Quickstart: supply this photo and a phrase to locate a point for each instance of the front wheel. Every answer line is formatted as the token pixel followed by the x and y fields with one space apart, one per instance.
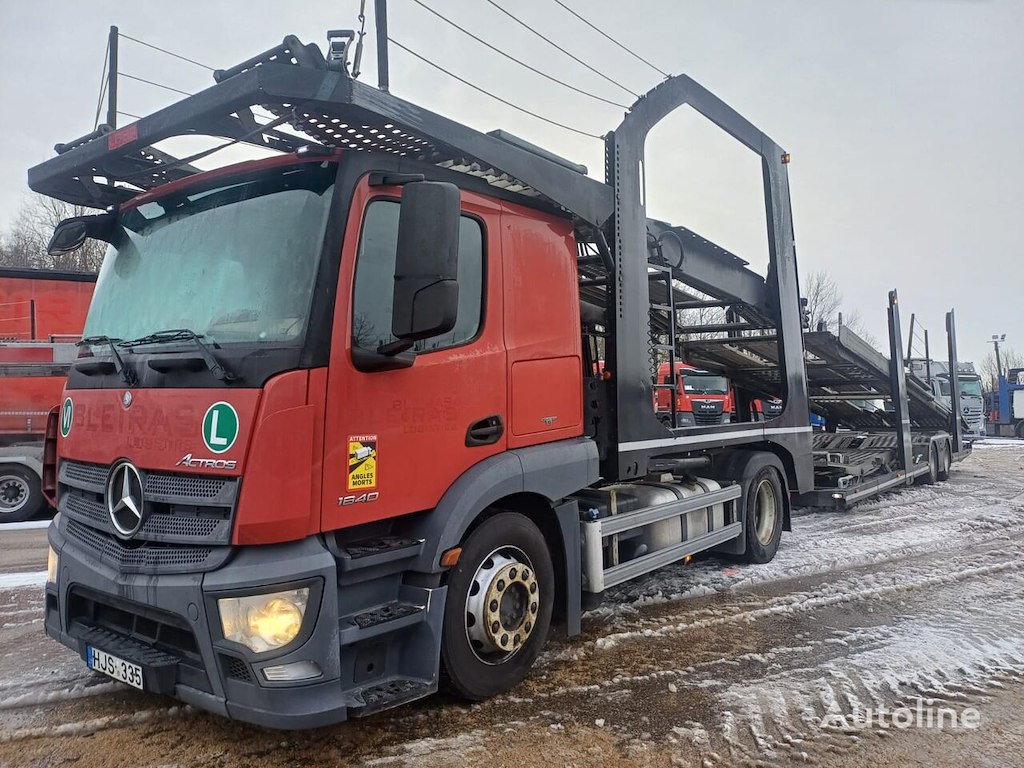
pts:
pixel 20 494
pixel 498 609
pixel 765 507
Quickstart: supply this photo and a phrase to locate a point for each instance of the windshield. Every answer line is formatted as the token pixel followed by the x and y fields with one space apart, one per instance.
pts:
pixel 705 384
pixel 970 387
pixel 233 263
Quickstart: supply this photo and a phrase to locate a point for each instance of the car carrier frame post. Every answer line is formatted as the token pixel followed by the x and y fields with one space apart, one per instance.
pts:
pixel 309 506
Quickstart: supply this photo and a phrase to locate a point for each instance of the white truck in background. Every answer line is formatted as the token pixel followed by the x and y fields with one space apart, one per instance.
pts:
pixel 935 373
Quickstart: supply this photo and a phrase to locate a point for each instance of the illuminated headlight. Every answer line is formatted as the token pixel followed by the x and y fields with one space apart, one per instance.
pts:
pixel 263 622
pixel 51 566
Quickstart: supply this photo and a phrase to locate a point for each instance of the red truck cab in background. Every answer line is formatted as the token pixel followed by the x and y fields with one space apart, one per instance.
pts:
pixel 702 398
pixel 41 314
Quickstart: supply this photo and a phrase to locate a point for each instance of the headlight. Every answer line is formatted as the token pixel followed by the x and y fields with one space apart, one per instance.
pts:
pixel 51 566
pixel 263 622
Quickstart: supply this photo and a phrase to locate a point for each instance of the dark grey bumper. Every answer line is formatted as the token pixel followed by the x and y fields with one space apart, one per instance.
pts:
pixel 171 627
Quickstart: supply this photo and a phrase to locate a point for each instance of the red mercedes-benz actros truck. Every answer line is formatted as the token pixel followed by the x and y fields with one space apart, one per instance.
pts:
pixel 336 434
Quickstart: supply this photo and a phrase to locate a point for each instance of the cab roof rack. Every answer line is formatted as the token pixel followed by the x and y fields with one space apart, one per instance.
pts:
pixel 314 103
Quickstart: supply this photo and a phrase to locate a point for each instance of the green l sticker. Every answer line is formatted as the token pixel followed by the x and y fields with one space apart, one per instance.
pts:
pixel 220 427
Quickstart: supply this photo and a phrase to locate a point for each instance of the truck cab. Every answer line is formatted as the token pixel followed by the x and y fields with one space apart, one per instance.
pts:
pixel 972 405
pixel 702 398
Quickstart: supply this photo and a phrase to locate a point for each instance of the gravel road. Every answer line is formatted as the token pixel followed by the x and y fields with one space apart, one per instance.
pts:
pixel 914 600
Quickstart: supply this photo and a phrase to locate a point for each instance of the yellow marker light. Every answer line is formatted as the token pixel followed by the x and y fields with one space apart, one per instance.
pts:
pixel 51 565
pixel 263 622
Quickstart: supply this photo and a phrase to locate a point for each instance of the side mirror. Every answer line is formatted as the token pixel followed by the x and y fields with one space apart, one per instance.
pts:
pixel 426 298
pixel 69 235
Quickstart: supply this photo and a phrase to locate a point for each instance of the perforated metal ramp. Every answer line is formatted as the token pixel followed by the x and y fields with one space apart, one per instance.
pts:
pixel 845 375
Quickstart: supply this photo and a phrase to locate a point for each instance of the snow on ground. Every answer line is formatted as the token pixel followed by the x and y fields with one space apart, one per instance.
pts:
pixel 23 579
pixel 27 525
pixel 916 595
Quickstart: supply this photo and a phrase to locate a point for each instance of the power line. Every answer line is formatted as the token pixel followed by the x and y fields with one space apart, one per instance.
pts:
pixel 612 39
pixel 425 60
pixel 164 50
pixel 158 85
pixel 517 61
pixel 556 45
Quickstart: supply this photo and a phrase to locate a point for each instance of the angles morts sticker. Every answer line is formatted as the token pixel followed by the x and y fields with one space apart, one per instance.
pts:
pixel 67 417
pixel 362 462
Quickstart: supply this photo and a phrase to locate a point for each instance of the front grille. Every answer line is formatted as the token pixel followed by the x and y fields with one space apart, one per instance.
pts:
pixel 179 509
pixel 188 487
pixel 82 475
pixel 146 557
pixel 152 636
pixel 707 419
pixel 184 525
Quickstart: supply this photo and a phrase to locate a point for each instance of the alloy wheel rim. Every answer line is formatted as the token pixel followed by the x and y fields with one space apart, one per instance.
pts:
pixel 502 605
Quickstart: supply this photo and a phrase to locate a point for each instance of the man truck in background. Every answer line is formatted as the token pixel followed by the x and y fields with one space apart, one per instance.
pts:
pixel 1005 405
pixel 935 373
pixel 41 314
pixel 337 437
pixel 702 398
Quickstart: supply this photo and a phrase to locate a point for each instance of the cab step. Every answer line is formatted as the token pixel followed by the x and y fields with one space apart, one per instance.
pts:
pixel 372 558
pixel 382 619
pixel 391 693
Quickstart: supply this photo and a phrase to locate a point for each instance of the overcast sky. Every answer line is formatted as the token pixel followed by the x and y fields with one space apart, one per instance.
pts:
pixel 904 117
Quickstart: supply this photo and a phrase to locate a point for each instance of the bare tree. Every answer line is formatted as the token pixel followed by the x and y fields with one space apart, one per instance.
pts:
pixel 823 299
pixel 1008 356
pixel 825 304
pixel 24 242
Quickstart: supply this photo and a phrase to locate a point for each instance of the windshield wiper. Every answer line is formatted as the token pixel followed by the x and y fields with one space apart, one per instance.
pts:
pixel 127 374
pixel 184 334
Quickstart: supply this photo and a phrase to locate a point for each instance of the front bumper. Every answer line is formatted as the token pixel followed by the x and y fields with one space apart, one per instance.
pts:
pixel 168 624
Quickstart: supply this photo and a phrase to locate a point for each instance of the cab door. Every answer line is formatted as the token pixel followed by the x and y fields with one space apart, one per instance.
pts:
pixel 395 440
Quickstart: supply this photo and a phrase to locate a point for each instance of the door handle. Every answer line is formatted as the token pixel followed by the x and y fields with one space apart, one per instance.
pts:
pixel 486 431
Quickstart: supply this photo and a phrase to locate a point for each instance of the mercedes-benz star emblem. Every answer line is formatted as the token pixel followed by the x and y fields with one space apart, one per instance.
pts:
pixel 124 499
pixel 126 399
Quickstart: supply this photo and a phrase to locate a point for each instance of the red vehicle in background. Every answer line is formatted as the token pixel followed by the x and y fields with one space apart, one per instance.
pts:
pixel 702 398
pixel 42 313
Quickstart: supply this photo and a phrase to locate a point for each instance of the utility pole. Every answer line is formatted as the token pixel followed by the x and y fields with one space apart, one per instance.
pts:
pixel 996 340
pixel 112 79
pixel 381 23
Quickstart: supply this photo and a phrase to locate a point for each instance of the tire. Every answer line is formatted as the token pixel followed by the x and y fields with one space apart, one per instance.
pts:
pixel 20 494
pixel 765 504
pixel 945 461
pixel 1019 430
pixel 490 573
pixel 932 475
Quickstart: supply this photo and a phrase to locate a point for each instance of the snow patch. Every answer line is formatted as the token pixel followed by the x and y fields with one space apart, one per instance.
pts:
pixel 27 525
pixel 22 579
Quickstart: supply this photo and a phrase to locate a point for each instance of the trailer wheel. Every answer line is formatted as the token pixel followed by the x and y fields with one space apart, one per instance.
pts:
pixel 20 494
pixel 765 506
pixel 945 461
pixel 498 609
pixel 932 476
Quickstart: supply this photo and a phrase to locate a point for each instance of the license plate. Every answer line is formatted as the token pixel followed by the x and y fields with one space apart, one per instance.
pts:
pixel 117 668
